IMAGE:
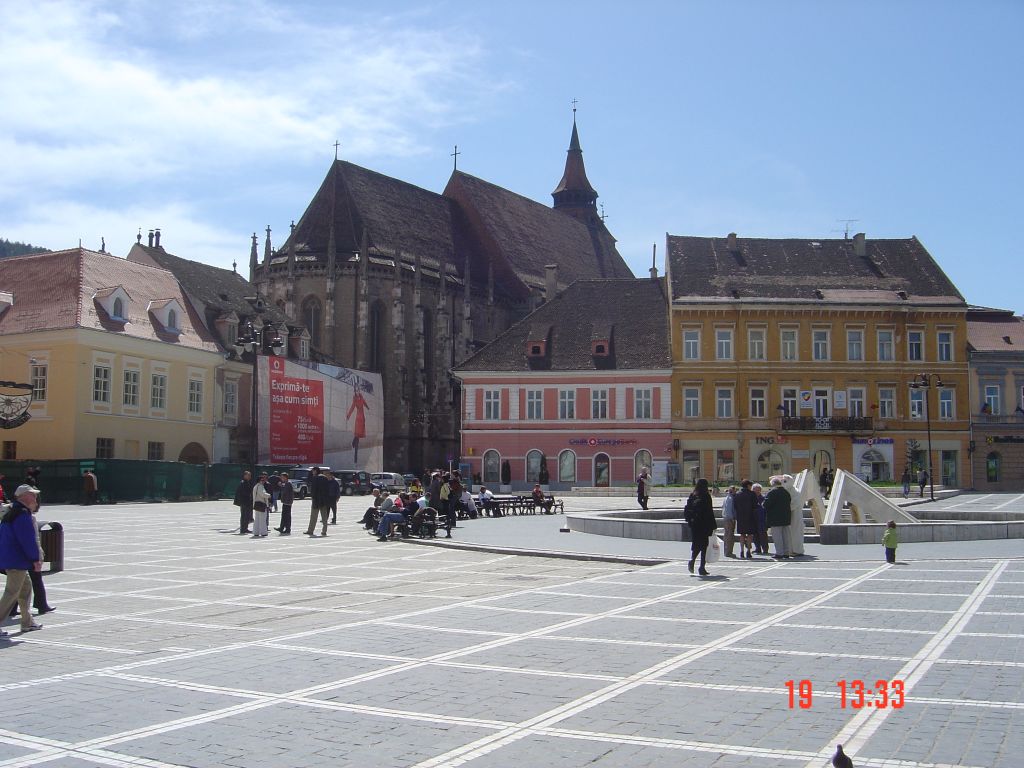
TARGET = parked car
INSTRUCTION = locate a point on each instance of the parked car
(390, 481)
(299, 478)
(353, 481)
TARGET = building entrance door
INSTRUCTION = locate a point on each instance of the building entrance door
(602, 471)
(949, 469)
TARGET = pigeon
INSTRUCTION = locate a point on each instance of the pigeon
(840, 759)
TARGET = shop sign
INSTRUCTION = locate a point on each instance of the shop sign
(1004, 439)
(806, 399)
(839, 398)
(596, 441)
(770, 440)
(873, 441)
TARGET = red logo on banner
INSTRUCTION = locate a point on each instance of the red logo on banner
(296, 417)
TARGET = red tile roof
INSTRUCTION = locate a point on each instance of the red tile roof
(1003, 334)
(56, 290)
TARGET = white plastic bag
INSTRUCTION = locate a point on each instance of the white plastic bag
(714, 549)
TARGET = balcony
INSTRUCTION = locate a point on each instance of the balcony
(846, 424)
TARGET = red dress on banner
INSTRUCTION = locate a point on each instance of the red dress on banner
(359, 405)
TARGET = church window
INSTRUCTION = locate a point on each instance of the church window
(426, 321)
(312, 317)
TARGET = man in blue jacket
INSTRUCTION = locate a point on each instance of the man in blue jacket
(19, 554)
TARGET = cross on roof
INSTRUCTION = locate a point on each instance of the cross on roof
(336, 145)
(574, 103)
(455, 158)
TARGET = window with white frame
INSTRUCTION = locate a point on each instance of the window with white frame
(947, 407)
(492, 467)
(130, 394)
(599, 404)
(885, 345)
(915, 345)
(567, 404)
(534, 404)
(230, 399)
(101, 383)
(993, 399)
(756, 343)
(104, 447)
(567, 467)
(723, 343)
(887, 402)
(788, 343)
(855, 401)
(118, 313)
(723, 400)
(758, 402)
(945, 340)
(917, 403)
(642, 400)
(855, 344)
(492, 404)
(691, 344)
(789, 401)
(820, 343)
(691, 402)
(158, 391)
(195, 397)
(38, 374)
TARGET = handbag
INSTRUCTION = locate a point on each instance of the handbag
(259, 506)
(714, 549)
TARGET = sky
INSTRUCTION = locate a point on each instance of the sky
(213, 120)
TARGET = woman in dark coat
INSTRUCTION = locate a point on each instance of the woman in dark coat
(745, 505)
(700, 516)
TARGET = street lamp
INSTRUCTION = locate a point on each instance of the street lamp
(925, 382)
(252, 339)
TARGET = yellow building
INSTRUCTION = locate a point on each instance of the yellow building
(794, 354)
(120, 363)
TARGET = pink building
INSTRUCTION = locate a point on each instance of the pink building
(583, 385)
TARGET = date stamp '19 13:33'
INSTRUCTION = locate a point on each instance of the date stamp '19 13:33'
(855, 694)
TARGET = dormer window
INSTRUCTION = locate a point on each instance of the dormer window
(536, 349)
(115, 301)
(600, 348)
(167, 313)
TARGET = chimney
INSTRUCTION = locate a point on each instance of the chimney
(730, 242)
(151, 238)
(859, 247)
(654, 261)
(551, 284)
(156, 244)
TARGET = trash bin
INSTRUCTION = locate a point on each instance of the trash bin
(52, 537)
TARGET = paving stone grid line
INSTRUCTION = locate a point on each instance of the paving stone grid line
(177, 643)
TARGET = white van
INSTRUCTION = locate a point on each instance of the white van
(393, 481)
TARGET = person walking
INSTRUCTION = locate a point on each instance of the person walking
(779, 514)
(905, 480)
(243, 500)
(333, 494)
(642, 488)
(890, 540)
(90, 487)
(320, 498)
(729, 521)
(19, 554)
(922, 480)
(746, 518)
(700, 516)
(287, 499)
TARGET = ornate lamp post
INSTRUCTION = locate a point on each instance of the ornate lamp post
(253, 339)
(925, 382)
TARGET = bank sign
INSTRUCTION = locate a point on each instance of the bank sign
(594, 442)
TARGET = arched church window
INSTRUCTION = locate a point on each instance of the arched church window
(312, 317)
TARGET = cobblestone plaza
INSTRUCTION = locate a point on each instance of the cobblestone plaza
(178, 642)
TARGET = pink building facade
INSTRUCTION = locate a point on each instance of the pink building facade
(581, 386)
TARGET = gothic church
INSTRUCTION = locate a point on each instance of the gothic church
(392, 278)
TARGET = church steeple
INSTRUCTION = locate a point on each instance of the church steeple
(574, 195)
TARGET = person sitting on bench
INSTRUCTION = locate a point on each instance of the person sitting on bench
(542, 501)
(486, 503)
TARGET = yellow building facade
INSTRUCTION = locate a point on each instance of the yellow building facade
(775, 373)
(120, 365)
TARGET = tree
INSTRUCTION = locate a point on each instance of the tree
(913, 455)
(14, 248)
(543, 475)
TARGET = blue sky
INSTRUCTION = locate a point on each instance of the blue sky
(774, 119)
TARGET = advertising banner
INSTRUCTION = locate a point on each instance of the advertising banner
(311, 413)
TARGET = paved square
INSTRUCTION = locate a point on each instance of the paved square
(179, 643)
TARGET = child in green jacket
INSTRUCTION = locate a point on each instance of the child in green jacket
(890, 540)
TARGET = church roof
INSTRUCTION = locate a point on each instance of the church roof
(631, 314)
(530, 235)
(396, 215)
(891, 271)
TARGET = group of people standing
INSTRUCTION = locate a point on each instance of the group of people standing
(747, 516)
(21, 556)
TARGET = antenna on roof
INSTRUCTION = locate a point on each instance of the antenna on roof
(846, 227)
(603, 215)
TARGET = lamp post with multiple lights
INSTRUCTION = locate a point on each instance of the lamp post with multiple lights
(925, 382)
(254, 339)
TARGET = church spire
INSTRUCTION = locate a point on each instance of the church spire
(574, 195)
